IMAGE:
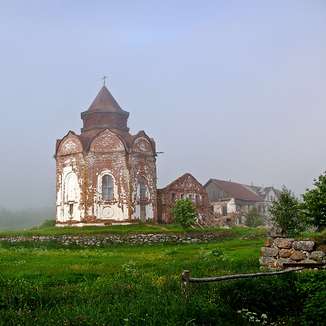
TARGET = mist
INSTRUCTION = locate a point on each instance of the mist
(228, 89)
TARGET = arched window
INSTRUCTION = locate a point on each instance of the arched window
(107, 187)
(70, 187)
(142, 191)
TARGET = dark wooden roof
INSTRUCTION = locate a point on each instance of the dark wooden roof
(105, 102)
(236, 190)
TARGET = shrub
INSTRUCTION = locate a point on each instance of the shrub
(47, 224)
(253, 218)
(184, 212)
(287, 213)
(315, 203)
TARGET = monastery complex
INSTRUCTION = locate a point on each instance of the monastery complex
(106, 175)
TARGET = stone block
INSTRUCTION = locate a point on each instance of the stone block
(298, 255)
(317, 256)
(283, 243)
(268, 262)
(268, 242)
(306, 245)
(285, 253)
(281, 261)
(275, 232)
(268, 252)
(308, 261)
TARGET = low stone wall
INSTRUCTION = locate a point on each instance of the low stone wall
(109, 239)
(278, 251)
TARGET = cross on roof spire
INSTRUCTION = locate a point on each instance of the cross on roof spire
(104, 80)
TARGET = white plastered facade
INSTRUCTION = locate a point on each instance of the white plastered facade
(68, 197)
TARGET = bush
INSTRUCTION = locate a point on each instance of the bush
(253, 219)
(47, 224)
(184, 212)
(315, 203)
(287, 213)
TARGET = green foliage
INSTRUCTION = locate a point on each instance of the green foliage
(315, 203)
(312, 289)
(184, 212)
(253, 218)
(287, 213)
(47, 224)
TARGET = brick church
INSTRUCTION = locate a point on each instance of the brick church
(105, 174)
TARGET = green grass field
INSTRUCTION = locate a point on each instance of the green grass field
(42, 284)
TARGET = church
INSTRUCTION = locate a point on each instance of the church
(105, 175)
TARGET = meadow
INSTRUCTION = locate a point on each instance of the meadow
(51, 284)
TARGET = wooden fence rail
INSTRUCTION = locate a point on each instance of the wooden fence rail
(186, 278)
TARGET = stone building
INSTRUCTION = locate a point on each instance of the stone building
(105, 174)
(185, 186)
(234, 199)
(231, 199)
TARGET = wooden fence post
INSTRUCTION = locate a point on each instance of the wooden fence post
(185, 276)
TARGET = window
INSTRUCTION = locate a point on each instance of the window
(173, 197)
(197, 199)
(142, 191)
(71, 209)
(224, 210)
(182, 196)
(107, 187)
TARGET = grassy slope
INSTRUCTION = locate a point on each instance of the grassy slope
(43, 262)
(48, 284)
(131, 285)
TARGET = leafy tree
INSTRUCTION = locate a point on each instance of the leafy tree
(253, 218)
(184, 212)
(315, 203)
(286, 213)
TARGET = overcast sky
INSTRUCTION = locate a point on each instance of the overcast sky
(228, 89)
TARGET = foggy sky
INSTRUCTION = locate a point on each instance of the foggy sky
(228, 89)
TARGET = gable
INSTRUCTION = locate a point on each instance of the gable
(186, 183)
(107, 141)
(141, 144)
(70, 145)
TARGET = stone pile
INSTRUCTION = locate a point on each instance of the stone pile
(278, 251)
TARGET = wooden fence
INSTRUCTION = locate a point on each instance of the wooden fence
(292, 267)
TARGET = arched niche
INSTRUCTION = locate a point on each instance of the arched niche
(70, 144)
(107, 141)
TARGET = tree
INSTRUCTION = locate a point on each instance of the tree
(315, 203)
(253, 218)
(184, 212)
(286, 213)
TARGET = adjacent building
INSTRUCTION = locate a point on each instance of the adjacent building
(183, 187)
(268, 195)
(105, 174)
(233, 200)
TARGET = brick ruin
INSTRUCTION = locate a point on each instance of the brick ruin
(185, 186)
(105, 174)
